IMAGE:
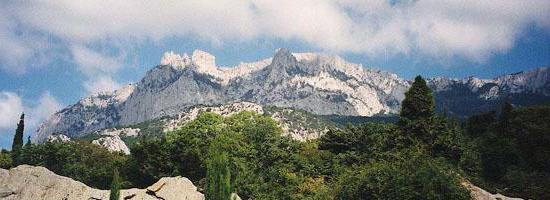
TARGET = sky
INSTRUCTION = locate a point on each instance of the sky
(52, 53)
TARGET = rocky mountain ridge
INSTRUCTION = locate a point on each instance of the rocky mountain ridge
(316, 83)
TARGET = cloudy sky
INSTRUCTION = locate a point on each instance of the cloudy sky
(54, 52)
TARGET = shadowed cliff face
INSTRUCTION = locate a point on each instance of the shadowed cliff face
(316, 83)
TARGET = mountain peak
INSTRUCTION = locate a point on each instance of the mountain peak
(203, 59)
(283, 55)
(175, 60)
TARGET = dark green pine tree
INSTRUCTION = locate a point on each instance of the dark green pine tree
(419, 102)
(18, 138)
(505, 115)
(218, 175)
(115, 186)
(28, 141)
(18, 141)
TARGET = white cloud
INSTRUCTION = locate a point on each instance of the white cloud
(11, 107)
(92, 62)
(47, 105)
(101, 84)
(466, 28)
(98, 68)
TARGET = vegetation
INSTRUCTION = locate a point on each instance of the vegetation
(515, 155)
(115, 186)
(5, 159)
(218, 174)
(419, 101)
(18, 140)
(420, 156)
(82, 161)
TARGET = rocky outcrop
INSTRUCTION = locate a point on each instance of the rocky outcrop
(295, 124)
(224, 110)
(131, 132)
(316, 83)
(480, 194)
(33, 183)
(58, 138)
(113, 144)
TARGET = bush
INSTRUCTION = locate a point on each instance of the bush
(411, 178)
(82, 161)
(5, 159)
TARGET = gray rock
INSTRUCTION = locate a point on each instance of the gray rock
(316, 83)
(113, 144)
(480, 194)
(33, 183)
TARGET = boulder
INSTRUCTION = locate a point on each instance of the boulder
(113, 144)
(480, 194)
(31, 183)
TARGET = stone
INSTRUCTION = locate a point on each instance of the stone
(31, 183)
(480, 194)
(113, 144)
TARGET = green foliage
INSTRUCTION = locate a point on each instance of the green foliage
(218, 174)
(82, 161)
(115, 186)
(422, 157)
(514, 152)
(18, 141)
(28, 141)
(419, 101)
(18, 137)
(5, 159)
(263, 164)
(478, 124)
(416, 177)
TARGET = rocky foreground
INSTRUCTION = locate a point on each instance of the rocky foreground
(31, 183)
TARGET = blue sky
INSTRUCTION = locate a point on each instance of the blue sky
(52, 53)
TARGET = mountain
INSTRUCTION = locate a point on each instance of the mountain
(315, 83)
(468, 96)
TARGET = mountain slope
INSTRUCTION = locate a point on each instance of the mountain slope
(464, 97)
(315, 83)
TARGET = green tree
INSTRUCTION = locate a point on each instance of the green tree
(80, 160)
(419, 101)
(505, 117)
(218, 172)
(410, 176)
(5, 159)
(28, 141)
(115, 186)
(18, 140)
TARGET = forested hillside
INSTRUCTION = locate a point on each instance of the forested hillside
(421, 155)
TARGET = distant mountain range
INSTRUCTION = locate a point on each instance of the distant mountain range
(315, 83)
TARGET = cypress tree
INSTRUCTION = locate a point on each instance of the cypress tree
(218, 174)
(18, 137)
(18, 141)
(419, 102)
(28, 141)
(505, 115)
(115, 186)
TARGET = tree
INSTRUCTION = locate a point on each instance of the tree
(115, 186)
(218, 172)
(419, 101)
(18, 140)
(28, 141)
(505, 116)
